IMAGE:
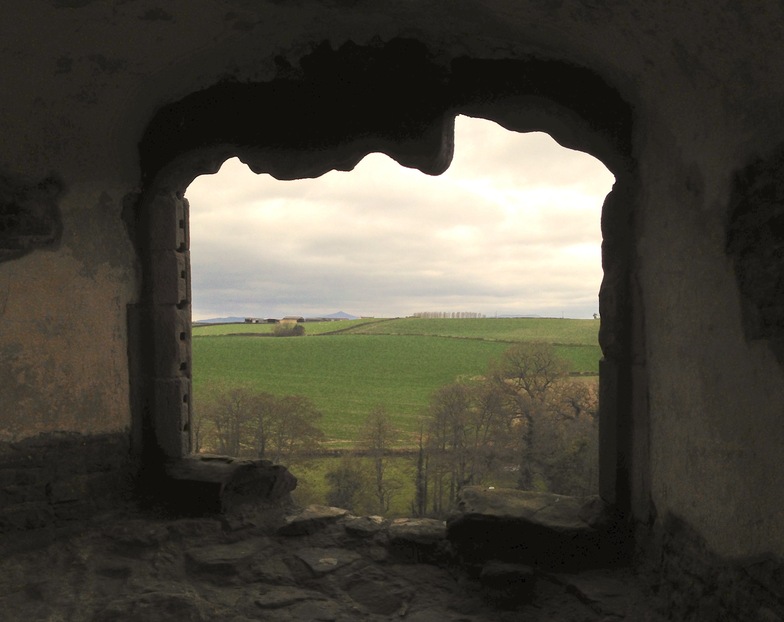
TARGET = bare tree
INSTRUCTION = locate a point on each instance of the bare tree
(491, 443)
(466, 439)
(530, 368)
(526, 373)
(419, 504)
(346, 482)
(568, 441)
(291, 428)
(268, 426)
(445, 444)
(228, 414)
(377, 437)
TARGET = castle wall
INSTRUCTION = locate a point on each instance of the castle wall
(82, 79)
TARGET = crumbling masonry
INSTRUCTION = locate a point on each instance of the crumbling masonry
(109, 109)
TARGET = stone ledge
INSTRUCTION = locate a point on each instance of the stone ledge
(553, 532)
(205, 484)
(310, 520)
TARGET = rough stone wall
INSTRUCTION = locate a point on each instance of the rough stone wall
(698, 585)
(82, 79)
(51, 482)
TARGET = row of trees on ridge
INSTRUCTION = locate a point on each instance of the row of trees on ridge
(448, 314)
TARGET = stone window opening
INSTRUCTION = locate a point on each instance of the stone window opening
(198, 133)
(281, 208)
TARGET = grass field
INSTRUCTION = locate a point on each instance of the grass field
(552, 330)
(555, 331)
(345, 375)
(348, 367)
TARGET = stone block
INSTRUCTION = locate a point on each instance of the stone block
(221, 561)
(417, 530)
(63, 454)
(14, 495)
(80, 487)
(507, 585)
(30, 215)
(172, 410)
(170, 270)
(539, 529)
(211, 484)
(172, 341)
(21, 476)
(137, 538)
(322, 561)
(282, 596)
(365, 526)
(168, 222)
(58, 479)
(13, 457)
(25, 516)
(194, 528)
(375, 594)
(74, 510)
(418, 540)
(311, 520)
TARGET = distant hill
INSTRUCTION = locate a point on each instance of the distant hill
(340, 315)
(221, 320)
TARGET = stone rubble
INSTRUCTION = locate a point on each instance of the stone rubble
(320, 564)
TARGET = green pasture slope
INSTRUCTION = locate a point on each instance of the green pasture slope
(345, 375)
(347, 367)
(552, 330)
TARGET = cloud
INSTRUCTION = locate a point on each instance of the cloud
(511, 227)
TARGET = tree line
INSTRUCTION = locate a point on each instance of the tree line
(244, 422)
(448, 314)
(525, 423)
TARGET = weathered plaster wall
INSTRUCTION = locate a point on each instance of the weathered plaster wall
(82, 79)
(715, 395)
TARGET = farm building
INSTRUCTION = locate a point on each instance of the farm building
(272, 320)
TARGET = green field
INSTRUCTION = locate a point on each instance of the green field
(348, 367)
(345, 375)
(552, 330)
(555, 331)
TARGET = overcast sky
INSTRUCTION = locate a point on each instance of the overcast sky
(511, 228)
